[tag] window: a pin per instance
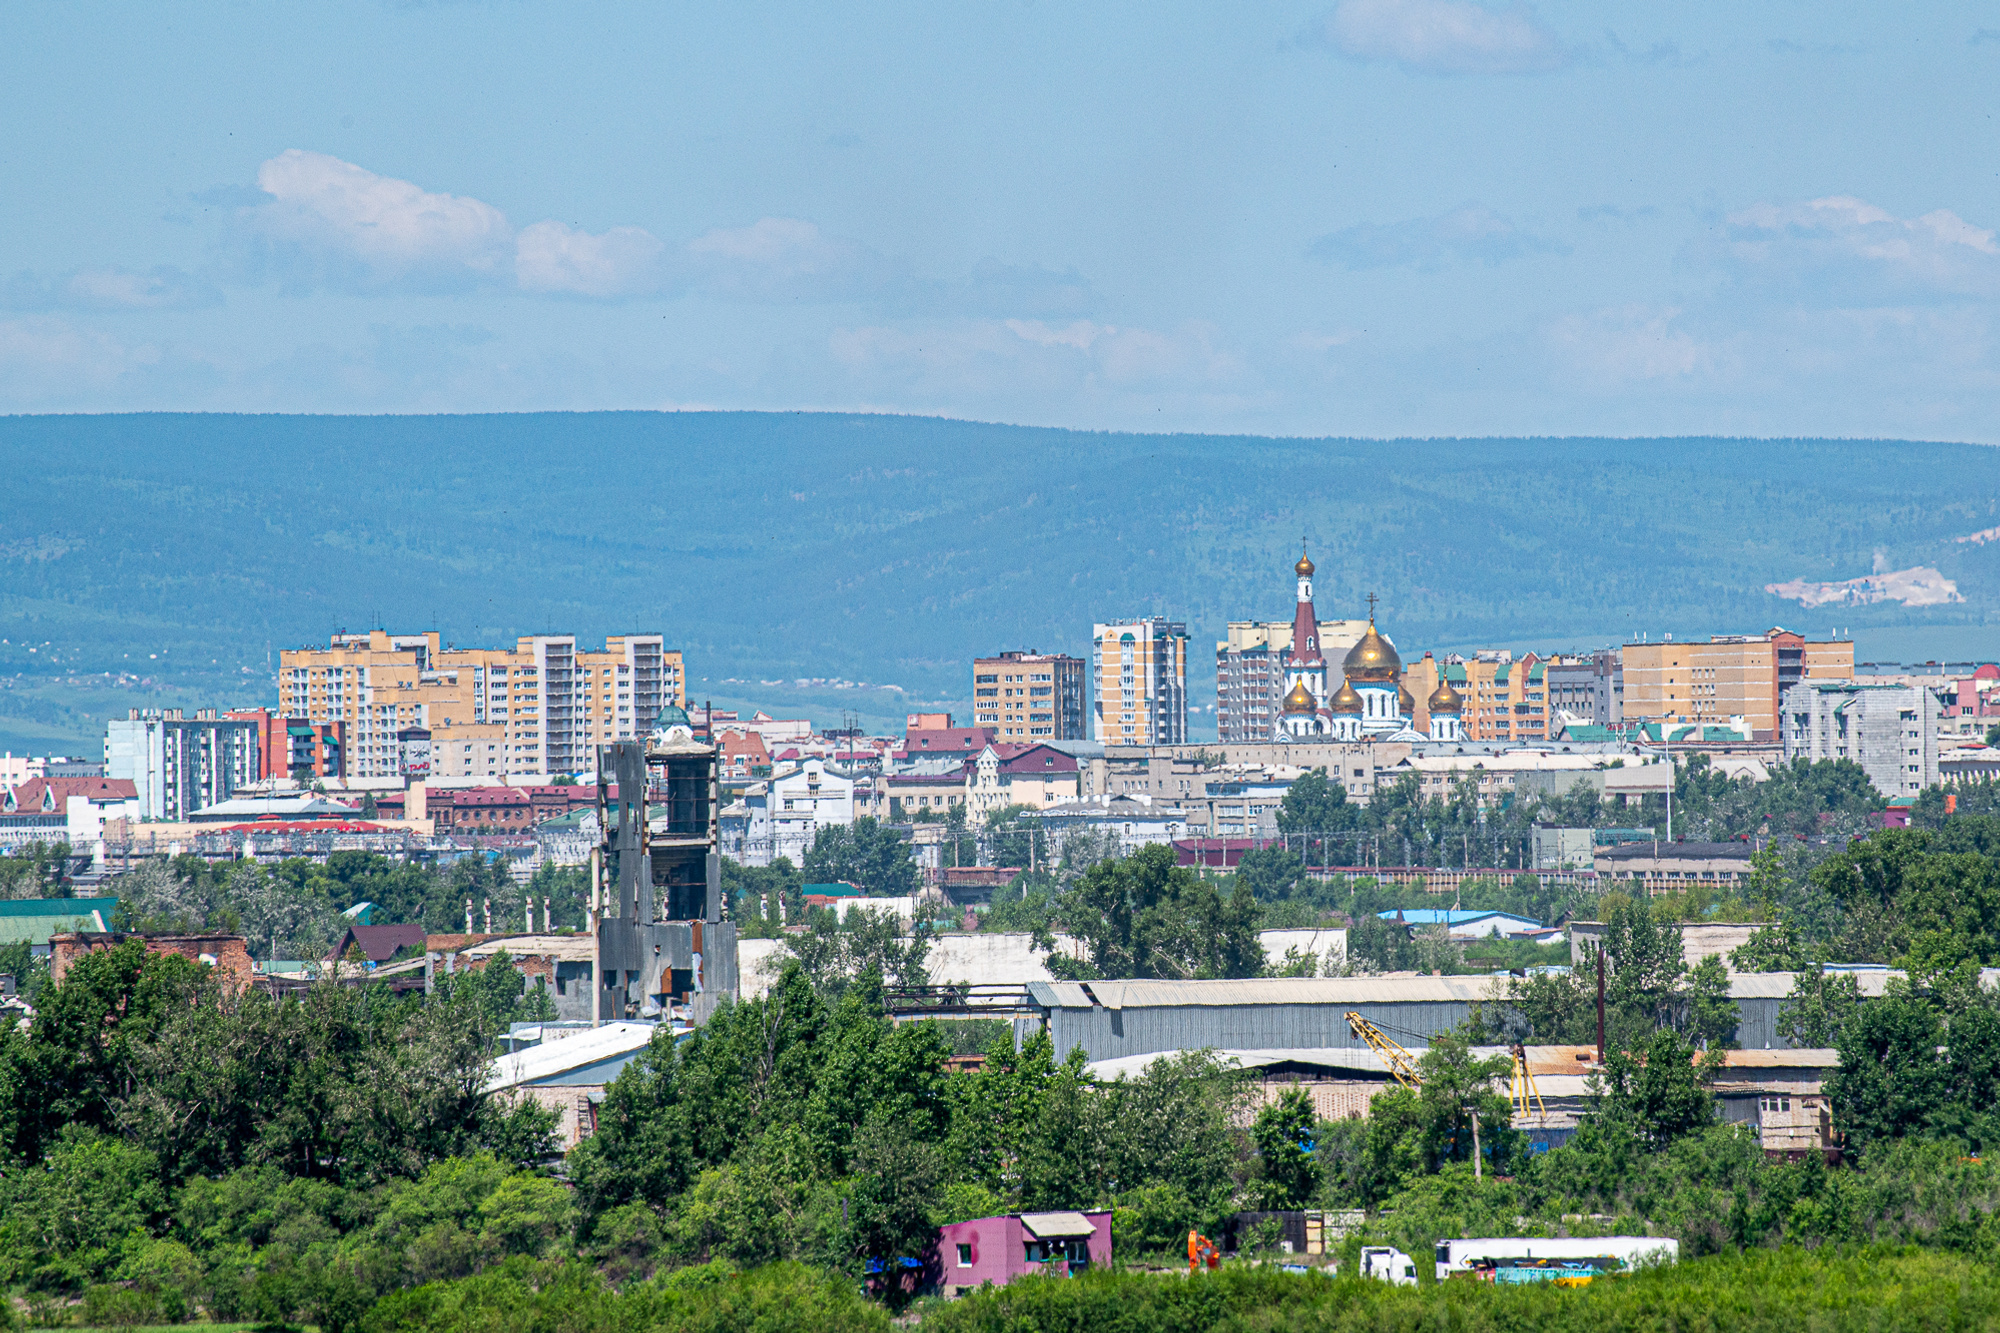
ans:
(964, 1255)
(1771, 1102)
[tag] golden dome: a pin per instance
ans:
(1406, 703)
(1345, 700)
(1444, 699)
(1373, 660)
(1304, 569)
(1300, 700)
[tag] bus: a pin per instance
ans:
(1466, 1256)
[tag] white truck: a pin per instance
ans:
(1462, 1256)
(1387, 1265)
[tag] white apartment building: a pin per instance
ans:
(1139, 680)
(1890, 730)
(180, 764)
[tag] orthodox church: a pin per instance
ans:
(1371, 702)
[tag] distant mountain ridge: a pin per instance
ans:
(891, 549)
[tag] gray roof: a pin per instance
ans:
(1395, 988)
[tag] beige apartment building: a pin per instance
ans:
(1029, 696)
(537, 708)
(1503, 698)
(1734, 675)
(1139, 670)
(1250, 673)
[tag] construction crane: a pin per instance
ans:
(1401, 1063)
(1521, 1090)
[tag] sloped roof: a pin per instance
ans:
(30, 795)
(600, 1053)
(378, 944)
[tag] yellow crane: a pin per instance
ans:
(1401, 1063)
(1521, 1090)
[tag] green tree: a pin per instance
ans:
(1145, 916)
(864, 853)
(1312, 807)
(1288, 1173)
(1660, 1091)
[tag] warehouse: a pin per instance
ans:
(1108, 1019)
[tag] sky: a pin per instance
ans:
(1374, 217)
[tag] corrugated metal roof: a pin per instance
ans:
(540, 1063)
(1402, 988)
(1359, 1060)
(1056, 1226)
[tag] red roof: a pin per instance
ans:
(948, 740)
(31, 794)
(304, 826)
(490, 796)
(1018, 759)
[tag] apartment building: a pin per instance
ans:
(1589, 687)
(1139, 678)
(179, 764)
(1733, 675)
(1890, 730)
(1029, 696)
(290, 748)
(1250, 673)
(1502, 699)
(539, 707)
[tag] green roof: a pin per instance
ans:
(1455, 674)
(1589, 731)
(832, 890)
(1500, 673)
(35, 919)
(1535, 674)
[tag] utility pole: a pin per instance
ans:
(1600, 1006)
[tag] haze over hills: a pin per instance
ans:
(795, 556)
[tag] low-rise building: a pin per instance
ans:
(35, 921)
(64, 810)
(1036, 776)
(1655, 867)
(968, 1255)
(783, 814)
(1133, 821)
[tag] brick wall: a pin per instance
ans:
(228, 954)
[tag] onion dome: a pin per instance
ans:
(1300, 700)
(1406, 703)
(1444, 699)
(1345, 700)
(1304, 569)
(1373, 660)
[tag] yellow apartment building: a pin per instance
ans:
(1029, 696)
(538, 708)
(1505, 699)
(1139, 670)
(1733, 675)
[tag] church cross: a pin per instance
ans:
(1371, 606)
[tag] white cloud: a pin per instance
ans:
(779, 259)
(163, 288)
(51, 362)
(1468, 232)
(554, 257)
(1443, 36)
(345, 225)
(1615, 347)
(1845, 240)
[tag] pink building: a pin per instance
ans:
(1000, 1249)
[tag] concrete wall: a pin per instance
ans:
(1104, 1034)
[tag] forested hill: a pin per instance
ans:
(890, 549)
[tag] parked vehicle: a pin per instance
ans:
(1391, 1266)
(1612, 1253)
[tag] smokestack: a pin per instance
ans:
(547, 924)
(468, 916)
(489, 915)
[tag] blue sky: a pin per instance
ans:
(1374, 217)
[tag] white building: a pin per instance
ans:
(784, 813)
(179, 765)
(1134, 820)
(1890, 730)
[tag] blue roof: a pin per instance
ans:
(1432, 916)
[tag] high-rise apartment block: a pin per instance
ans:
(1250, 673)
(537, 708)
(1890, 730)
(1029, 695)
(1736, 675)
(1139, 675)
(180, 764)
